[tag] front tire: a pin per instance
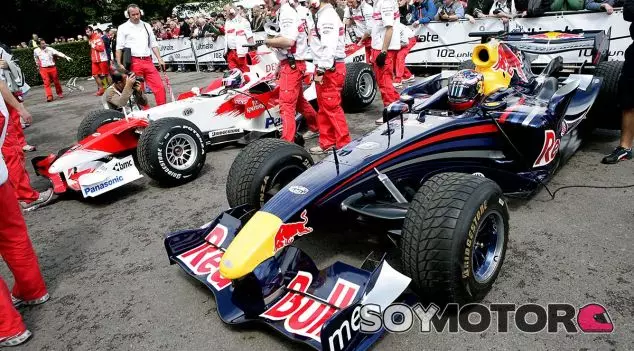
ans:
(605, 113)
(262, 168)
(171, 151)
(359, 88)
(454, 237)
(96, 119)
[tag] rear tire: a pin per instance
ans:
(171, 151)
(605, 112)
(261, 168)
(96, 119)
(451, 215)
(359, 88)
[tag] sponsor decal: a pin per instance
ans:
(299, 190)
(428, 38)
(273, 122)
(123, 164)
(368, 145)
(288, 231)
(478, 174)
(466, 262)
(564, 128)
(205, 259)
(221, 132)
(555, 36)
(99, 188)
(306, 316)
(549, 149)
(188, 112)
(253, 109)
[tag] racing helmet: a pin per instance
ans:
(465, 89)
(233, 79)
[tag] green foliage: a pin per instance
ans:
(79, 51)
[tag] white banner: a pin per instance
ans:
(442, 43)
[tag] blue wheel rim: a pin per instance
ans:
(487, 247)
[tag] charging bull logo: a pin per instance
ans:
(509, 61)
(205, 259)
(303, 315)
(555, 36)
(288, 231)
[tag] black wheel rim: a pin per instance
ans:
(488, 247)
(281, 178)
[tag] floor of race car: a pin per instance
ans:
(112, 287)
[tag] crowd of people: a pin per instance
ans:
(378, 26)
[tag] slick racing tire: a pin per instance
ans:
(605, 112)
(359, 88)
(262, 168)
(171, 151)
(96, 119)
(454, 237)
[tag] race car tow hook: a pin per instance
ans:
(391, 187)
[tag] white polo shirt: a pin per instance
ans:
(4, 173)
(385, 14)
(135, 37)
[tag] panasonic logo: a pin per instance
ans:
(104, 185)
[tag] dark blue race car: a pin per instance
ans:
(435, 175)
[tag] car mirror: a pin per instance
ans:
(408, 100)
(395, 109)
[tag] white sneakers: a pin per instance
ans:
(19, 302)
(16, 340)
(310, 135)
(317, 150)
(43, 200)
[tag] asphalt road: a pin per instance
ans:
(112, 286)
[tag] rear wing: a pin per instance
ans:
(552, 42)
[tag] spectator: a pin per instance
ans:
(536, 9)
(478, 9)
(23, 45)
(112, 35)
(34, 42)
(136, 36)
(405, 11)
(451, 10)
(123, 90)
(16, 249)
(259, 18)
(106, 43)
(599, 5)
(423, 11)
(45, 59)
(186, 28)
(175, 29)
(503, 9)
(626, 82)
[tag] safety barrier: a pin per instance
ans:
(442, 43)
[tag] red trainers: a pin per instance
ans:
(100, 92)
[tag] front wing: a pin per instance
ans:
(287, 292)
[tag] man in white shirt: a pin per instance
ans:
(16, 249)
(45, 59)
(386, 43)
(138, 37)
(357, 16)
(401, 73)
(237, 33)
(291, 48)
(328, 48)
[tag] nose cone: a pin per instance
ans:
(254, 244)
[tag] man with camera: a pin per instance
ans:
(125, 91)
(137, 39)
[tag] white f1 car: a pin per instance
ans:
(169, 142)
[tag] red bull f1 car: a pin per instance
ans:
(436, 177)
(169, 142)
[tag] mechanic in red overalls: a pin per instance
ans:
(15, 247)
(328, 48)
(45, 58)
(291, 48)
(386, 43)
(15, 161)
(401, 73)
(237, 33)
(99, 58)
(357, 16)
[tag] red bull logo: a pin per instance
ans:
(509, 62)
(555, 36)
(288, 231)
(205, 259)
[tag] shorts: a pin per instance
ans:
(626, 80)
(100, 68)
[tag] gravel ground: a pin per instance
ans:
(112, 287)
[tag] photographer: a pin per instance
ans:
(122, 90)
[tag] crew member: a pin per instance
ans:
(138, 37)
(99, 59)
(45, 59)
(401, 73)
(357, 17)
(385, 45)
(328, 48)
(237, 34)
(15, 247)
(125, 92)
(291, 48)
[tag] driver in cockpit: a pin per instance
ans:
(465, 90)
